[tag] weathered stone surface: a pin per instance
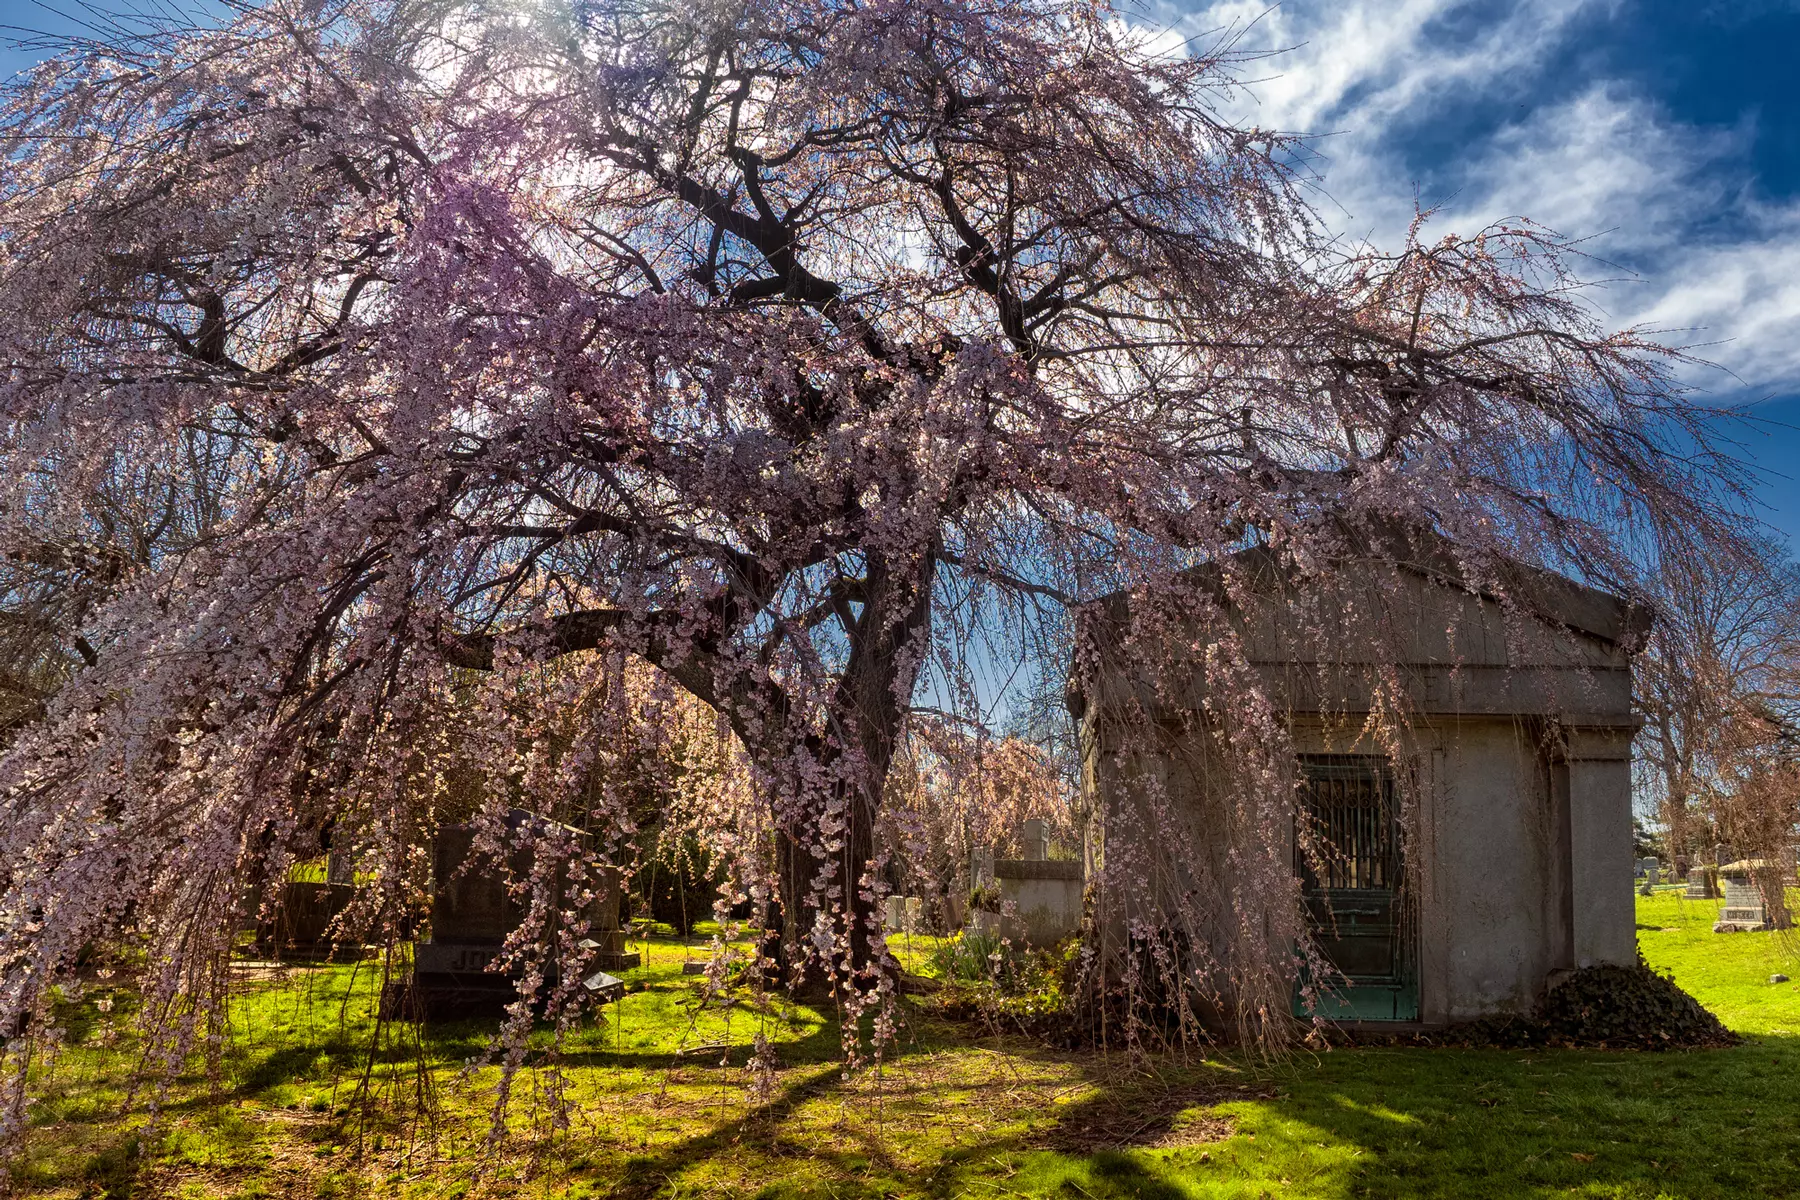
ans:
(1743, 910)
(1034, 838)
(981, 867)
(956, 912)
(904, 914)
(985, 924)
(604, 988)
(474, 910)
(1702, 882)
(1519, 847)
(1041, 898)
(302, 923)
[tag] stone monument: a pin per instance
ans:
(1702, 881)
(1041, 898)
(981, 867)
(1034, 838)
(955, 910)
(1743, 909)
(303, 923)
(473, 911)
(904, 914)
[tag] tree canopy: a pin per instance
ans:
(808, 350)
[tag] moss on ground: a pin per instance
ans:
(659, 1105)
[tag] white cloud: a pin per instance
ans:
(1602, 164)
(1371, 61)
(1598, 160)
(1744, 295)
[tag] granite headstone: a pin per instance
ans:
(473, 911)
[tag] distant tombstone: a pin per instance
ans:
(606, 933)
(1643, 867)
(981, 867)
(340, 868)
(956, 911)
(1743, 909)
(1041, 899)
(303, 923)
(604, 988)
(904, 914)
(984, 924)
(1702, 882)
(472, 913)
(1651, 871)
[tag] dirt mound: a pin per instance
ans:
(1606, 1008)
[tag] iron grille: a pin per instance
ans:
(1348, 806)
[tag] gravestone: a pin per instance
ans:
(956, 911)
(1651, 870)
(1743, 909)
(472, 912)
(302, 924)
(904, 914)
(981, 867)
(1041, 898)
(1702, 882)
(984, 924)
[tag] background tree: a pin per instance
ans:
(952, 793)
(797, 347)
(1719, 686)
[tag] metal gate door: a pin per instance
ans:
(1353, 889)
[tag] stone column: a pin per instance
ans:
(1604, 912)
(1034, 835)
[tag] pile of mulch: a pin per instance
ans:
(1600, 1008)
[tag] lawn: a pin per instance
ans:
(657, 1101)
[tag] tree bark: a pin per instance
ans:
(866, 718)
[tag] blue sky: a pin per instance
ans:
(1667, 133)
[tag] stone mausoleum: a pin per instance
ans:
(1505, 858)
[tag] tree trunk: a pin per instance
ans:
(799, 870)
(865, 720)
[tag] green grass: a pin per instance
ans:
(957, 1112)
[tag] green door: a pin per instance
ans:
(1352, 881)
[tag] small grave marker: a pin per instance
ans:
(1743, 909)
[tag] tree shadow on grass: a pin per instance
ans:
(644, 1175)
(1410, 1122)
(1537, 1123)
(1139, 1114)
(1125, 1111)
